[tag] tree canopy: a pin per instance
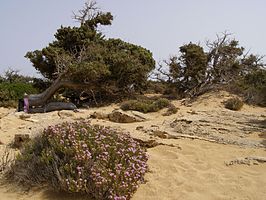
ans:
(222, 61)
(82, 55)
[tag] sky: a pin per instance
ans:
(161, 26)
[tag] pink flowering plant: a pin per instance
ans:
(83, 158)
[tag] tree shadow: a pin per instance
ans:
(263, 136)
(260, 124)
(52, 195)
(13, 191)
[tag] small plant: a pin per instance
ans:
(234, 104)
(83, 158)
(145, 105)
(171, 110)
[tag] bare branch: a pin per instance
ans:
(89, 11)
(161, 74)
(62, 62)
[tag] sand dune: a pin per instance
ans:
(180, 168)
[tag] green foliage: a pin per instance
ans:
(9, 104)
(156, 87)
(225, 59)
(195, 71)
(11, 92)
(129, 64)
(83, 158)
(145, 105)
(83, 55)
(40, 84)
(194, 60)
(256, 79)
(170, 110)
(190, 68)
(13, 86)
(253, 86)
(234, 104)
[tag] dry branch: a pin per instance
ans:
(89, 11)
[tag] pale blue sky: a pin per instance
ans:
(159, 25)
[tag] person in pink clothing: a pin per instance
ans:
(26, 103)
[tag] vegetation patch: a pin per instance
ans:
(145, 105)
(171, 110)
(82, 158)
(254, 87)
(11, 92)
(234, 104)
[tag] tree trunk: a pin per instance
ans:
(42, 98)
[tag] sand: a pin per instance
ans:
(181, 168)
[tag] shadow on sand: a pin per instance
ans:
(13, 191)
(261, 124)
(52, 195)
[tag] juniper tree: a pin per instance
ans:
(83, 58)
(223, 61)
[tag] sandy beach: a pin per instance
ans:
(203, 152)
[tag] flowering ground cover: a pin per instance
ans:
(83, 158)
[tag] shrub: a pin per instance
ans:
(234, 104)
(83, 158)
(156, 87)
(9, 104)
(11, 92)
(145, 105)
(254, 85)
(171, 110)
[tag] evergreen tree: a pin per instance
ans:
(81, 57)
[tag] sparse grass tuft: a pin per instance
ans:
(234, 104)
(171, 110)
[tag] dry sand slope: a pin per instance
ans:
(193, 158)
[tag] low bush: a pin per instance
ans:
(252, 87)
(145, 105)
(156, 87)
(11, 92)
(83, 158)
(9, 104)
(171, 110)
(234, 104)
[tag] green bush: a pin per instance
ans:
(9, 104)
(145, 105)
(83, 158)
(11, 92)
(254, 85)
(156, 87)
(234, 104)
